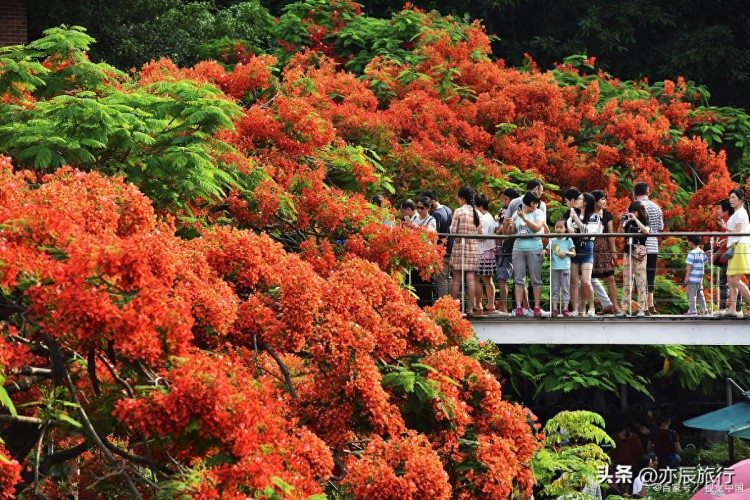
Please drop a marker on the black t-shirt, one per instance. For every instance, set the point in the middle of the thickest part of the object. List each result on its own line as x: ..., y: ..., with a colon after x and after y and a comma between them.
x: 632, y: 227
x: 606, y: 218
x: 443, y: 217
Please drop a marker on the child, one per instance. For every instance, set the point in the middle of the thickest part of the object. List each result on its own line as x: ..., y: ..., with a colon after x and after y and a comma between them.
x: 561, y: 249
x: 696, y: 262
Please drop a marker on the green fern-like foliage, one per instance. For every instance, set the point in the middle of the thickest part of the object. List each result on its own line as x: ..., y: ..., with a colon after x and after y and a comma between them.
x: 568, y: 369
x: 571, y: 453
x: 161, y: 136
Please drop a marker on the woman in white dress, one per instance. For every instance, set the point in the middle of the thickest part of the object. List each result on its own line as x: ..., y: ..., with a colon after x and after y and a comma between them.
x: 739, y: 263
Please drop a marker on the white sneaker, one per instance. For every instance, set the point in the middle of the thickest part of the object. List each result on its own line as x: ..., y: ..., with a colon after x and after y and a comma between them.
x: 591, y: 313
x: 721, y: 312
x: 545, y: 314
x: 641, y: 314
x: 528, y: 312
x: 574, y: 314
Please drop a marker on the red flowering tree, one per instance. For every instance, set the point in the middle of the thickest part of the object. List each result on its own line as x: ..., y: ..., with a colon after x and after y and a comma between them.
x: 223, y: 365
x: 196, y: 297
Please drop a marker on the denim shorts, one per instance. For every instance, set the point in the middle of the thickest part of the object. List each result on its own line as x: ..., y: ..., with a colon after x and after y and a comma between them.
x: 504, y: 267
x: 584, y: 253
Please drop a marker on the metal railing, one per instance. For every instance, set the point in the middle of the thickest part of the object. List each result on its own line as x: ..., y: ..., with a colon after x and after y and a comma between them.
x: 711, y: 271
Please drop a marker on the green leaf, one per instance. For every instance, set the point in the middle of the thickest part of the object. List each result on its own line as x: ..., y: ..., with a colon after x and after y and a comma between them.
x: 5, y: 399
x: 66, y: 418
x: 425, y: 390
x: 403, y: 380
x: 282, y: 485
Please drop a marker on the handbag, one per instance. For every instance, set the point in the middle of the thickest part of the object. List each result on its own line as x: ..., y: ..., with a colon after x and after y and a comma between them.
x: 726, y: 256
x: 639, y: 252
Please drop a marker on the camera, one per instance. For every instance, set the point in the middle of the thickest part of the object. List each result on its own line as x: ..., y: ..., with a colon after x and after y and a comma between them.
x: 625, y: 217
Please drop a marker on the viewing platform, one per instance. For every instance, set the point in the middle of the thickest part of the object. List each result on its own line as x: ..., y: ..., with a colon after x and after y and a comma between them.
x: 608, y: 330
x: 658, y: 329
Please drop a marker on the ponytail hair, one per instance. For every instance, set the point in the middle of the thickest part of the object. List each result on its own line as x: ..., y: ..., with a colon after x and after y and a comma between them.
x: 467, y: 195
x: 589, y: 206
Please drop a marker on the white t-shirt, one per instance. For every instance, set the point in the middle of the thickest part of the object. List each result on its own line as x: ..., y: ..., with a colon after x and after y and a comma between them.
x: 593, y: 226
x: 489, y: 224
x: 428, y: 223
x: 738, y: 221
x: 637, y: 486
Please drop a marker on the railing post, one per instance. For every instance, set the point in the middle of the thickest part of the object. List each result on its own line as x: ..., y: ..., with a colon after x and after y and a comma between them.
x: 550, y: 279
x: 463, y: 277
x: 730, y: 442
x: 630, y: 278
x: 711, y: 264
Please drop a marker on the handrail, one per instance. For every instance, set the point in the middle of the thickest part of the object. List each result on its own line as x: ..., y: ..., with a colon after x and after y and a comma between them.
x: 712, y: 270
x: 591, y: 235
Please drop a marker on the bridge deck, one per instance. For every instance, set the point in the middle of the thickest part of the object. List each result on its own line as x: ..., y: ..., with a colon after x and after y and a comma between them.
x: 654, y: 330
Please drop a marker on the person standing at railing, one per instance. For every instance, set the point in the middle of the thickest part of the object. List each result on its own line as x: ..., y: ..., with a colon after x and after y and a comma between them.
x: 561, y: 248
x: 739, y: 246
x: 696, y: 264
x: 656, y: 225
x: 504, y: 252
x: 416, y: 216
x: 465, y: 253
x: 487, y: 259
x: 582, y: 219
x: 725, y: 211
x: 635, y: 221
x: 527, y: 252
x: 443, y: 216
x: 605, y: 251
x: 537, y: 188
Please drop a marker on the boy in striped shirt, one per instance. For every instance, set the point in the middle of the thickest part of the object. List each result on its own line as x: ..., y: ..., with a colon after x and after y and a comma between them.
x: 696, y: 264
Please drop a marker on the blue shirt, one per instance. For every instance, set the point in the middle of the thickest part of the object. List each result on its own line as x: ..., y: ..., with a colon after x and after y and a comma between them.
x: 562, y: 245
x: 527, y: 244
x: 697, y: 258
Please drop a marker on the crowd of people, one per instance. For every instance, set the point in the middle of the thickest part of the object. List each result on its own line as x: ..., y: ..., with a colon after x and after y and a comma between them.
x: 643, y: 441
x: 582, y: 259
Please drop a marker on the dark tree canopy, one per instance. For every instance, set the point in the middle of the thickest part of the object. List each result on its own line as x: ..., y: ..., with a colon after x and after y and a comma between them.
x: 705, y: 41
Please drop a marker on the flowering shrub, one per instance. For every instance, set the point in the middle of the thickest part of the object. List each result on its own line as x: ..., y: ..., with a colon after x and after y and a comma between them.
x: 181, y: 355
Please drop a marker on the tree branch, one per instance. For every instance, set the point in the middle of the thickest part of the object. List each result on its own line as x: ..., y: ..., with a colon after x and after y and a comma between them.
x: 93, y: 434
x: 23, y: 384
x: 36, y: 462
x: 33, y: 371
x: 8, y: 310
x: 135, y: 458
x: 115, y: 375
x: 284, y: 371
x: 21, y: 419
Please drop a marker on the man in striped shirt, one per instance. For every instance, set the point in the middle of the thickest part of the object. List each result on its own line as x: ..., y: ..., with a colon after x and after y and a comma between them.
x: 656, y: 224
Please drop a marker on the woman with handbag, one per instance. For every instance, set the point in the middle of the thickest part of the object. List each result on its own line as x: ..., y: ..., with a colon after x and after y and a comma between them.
x: 635, y: 221
x: 738, y: 251
x: 605, y: 256
x: 582, y: 219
